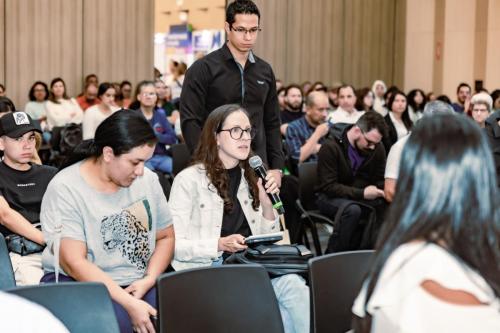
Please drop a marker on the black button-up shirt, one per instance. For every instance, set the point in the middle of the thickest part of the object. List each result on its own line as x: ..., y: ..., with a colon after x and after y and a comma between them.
x: 217, y: 79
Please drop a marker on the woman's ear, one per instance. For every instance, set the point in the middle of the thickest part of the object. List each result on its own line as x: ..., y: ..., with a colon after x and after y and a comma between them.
x: 108, y: 154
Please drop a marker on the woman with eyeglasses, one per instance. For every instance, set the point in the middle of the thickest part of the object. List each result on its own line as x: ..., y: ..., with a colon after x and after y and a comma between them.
x: 218, y: 201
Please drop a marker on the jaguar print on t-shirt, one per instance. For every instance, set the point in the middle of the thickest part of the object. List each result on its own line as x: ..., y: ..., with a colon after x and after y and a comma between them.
x: 128, y: 232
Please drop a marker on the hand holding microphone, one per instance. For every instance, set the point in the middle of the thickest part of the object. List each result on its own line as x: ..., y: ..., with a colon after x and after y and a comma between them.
x: 271, y: 188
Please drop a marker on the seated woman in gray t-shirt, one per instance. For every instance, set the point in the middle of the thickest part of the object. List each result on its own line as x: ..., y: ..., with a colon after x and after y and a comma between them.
x: 112, y: 219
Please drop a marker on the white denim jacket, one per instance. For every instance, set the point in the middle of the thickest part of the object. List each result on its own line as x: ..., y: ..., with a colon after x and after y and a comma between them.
x: 197, y: 211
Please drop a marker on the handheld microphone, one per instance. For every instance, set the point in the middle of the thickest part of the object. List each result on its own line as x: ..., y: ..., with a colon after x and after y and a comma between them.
x: 259, y: 168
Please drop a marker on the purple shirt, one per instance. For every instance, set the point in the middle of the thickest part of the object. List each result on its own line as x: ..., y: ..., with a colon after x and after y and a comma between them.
x: 355, y: 157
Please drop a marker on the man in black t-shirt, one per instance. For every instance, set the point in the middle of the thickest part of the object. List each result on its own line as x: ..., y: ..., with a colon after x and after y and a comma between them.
x: 22, y: 186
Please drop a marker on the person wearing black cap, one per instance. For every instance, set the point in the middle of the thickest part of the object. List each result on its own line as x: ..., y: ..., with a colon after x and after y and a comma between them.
x: 22, y: 186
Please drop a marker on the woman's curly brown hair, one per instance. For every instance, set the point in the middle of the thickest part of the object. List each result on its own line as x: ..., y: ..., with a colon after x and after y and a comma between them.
x: 207, y: 154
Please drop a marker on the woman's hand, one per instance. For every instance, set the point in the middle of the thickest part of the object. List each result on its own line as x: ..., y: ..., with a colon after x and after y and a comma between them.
x: 270, y: 187
x: 139, y: 288
x: 140, y: 312
x: 232, y: 243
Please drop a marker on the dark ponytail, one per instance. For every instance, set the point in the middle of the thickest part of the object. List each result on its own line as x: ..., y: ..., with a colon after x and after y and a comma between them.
x: 122, y: 131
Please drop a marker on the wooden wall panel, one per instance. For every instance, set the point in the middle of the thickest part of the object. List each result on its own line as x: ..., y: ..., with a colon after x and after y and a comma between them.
x: 2, y: 42
x: 332, y: 41
x: 44, y: 39
x: 118, y: 46
x: 47, y: 47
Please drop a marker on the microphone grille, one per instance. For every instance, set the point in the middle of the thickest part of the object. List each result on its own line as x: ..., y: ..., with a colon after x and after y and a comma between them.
x: 255, y: 162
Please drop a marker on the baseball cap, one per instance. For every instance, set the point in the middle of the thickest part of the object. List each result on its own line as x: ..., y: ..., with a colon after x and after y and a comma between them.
x: 15, y: 124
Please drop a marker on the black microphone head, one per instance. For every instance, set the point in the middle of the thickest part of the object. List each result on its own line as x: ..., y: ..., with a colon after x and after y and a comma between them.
x: 255, y: 162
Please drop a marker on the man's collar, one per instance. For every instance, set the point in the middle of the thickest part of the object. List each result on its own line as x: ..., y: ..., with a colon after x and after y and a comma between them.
x: 226, y: 52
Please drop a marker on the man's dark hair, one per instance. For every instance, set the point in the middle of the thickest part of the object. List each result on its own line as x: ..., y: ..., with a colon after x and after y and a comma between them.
x: 463, y: 84
x: 346, y: 86
x: 371, y: 120
x: 241, y: 7
x: 124, y: 83
x: 291, y: 86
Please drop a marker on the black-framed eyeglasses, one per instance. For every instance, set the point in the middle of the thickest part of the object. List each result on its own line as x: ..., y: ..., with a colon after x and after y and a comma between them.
x: 243, y: 31
x: 236, y: 133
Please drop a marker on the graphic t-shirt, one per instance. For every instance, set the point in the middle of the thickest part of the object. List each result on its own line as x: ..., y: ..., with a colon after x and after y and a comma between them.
x: 119, y: 229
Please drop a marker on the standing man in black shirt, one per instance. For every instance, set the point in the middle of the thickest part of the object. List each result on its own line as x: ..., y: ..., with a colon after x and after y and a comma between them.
x: 234, y: 75
x: 22, y: 186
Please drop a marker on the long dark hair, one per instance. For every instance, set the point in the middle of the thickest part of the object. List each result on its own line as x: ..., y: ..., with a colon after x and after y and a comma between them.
x: 31, y: 94
x: 122, y: 131
x: 411, y: 100
x: 207, y: 154
x: 446, y: 192
x: 406, y: 115
x: 52, y: 97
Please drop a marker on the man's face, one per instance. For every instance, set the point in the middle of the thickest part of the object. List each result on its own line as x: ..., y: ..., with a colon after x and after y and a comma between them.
x: 18, y: 150
x: 347, y: 99
x: 294, y: 99
x: 367, y: 142
x: 463, y: 94
x: 480, y: 113
x: 242, y: 34
x: 147, y: 96
x: 91, y: 93
x: 125, y: 168
x: 318, y: 113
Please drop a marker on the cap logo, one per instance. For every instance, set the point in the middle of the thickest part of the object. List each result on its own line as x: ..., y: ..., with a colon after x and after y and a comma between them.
x: 21, y: 118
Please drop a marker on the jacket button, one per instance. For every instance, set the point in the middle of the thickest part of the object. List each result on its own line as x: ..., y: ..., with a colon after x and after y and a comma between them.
x: 245, y: 202
x: 202, y: 205
x: 273, y: 227
x: 253, y: 221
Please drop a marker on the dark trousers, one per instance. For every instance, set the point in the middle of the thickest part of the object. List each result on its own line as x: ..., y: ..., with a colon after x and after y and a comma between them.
x: 351, y: 234
x: 121, y: 314
x: 289, y: 193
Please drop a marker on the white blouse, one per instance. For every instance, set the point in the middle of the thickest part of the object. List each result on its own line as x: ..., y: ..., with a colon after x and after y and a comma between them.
x: 400, y: 304
x: 67, y: 111
x: 399, y: 125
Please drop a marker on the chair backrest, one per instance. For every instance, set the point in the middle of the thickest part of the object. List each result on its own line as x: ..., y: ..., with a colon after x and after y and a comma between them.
x: 180, y: 157
x: 229, y: 298
x: 81, y: 306
x: 307, y: 183
x: 335, y: 282
x: 7, y: 279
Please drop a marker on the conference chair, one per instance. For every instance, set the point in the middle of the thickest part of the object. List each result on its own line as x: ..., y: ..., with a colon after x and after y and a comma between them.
x: 180, y: 157
x: 229, y: 298
x: 7, y: 279
x: 82, y: 307
x: 335, y: 281
x: 306, y: 203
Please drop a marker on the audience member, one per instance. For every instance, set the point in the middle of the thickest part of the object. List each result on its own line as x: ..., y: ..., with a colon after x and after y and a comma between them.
x: 6, y: 105
x: 61, y: 110
x: 482, y: 105
x: 281, y: 98
x: 125, y: 94
x: 91, y: 79
x: 2, y: 90
x: 161, y: 160
x: 333, y: 97
x: 436, y: 266
x: 445, y: 99
x: 123, y: 237
x: 305, y: 135
x: 394, y: 156
x: 217, y: 79
x: 36, y: 107
x: 89, y: 97
x: 15, y: 310
x: 346, y: 113
x: 306, y: 85
x: 495, y: 96
x: 463, y: 98
x: 364, y: 100
x: 430, y: 96
x: 293, y: 107
x: 218, y: 201
x: 316, y: 86
x: 279, y: 84
x: 164, y: 94
x: 398, y: 119
x: 22, y: 186
x: 416, y: 104
x: 351, y: 177
x: 178, y: 80
x: 96, y: 114
x: 379, y: 89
